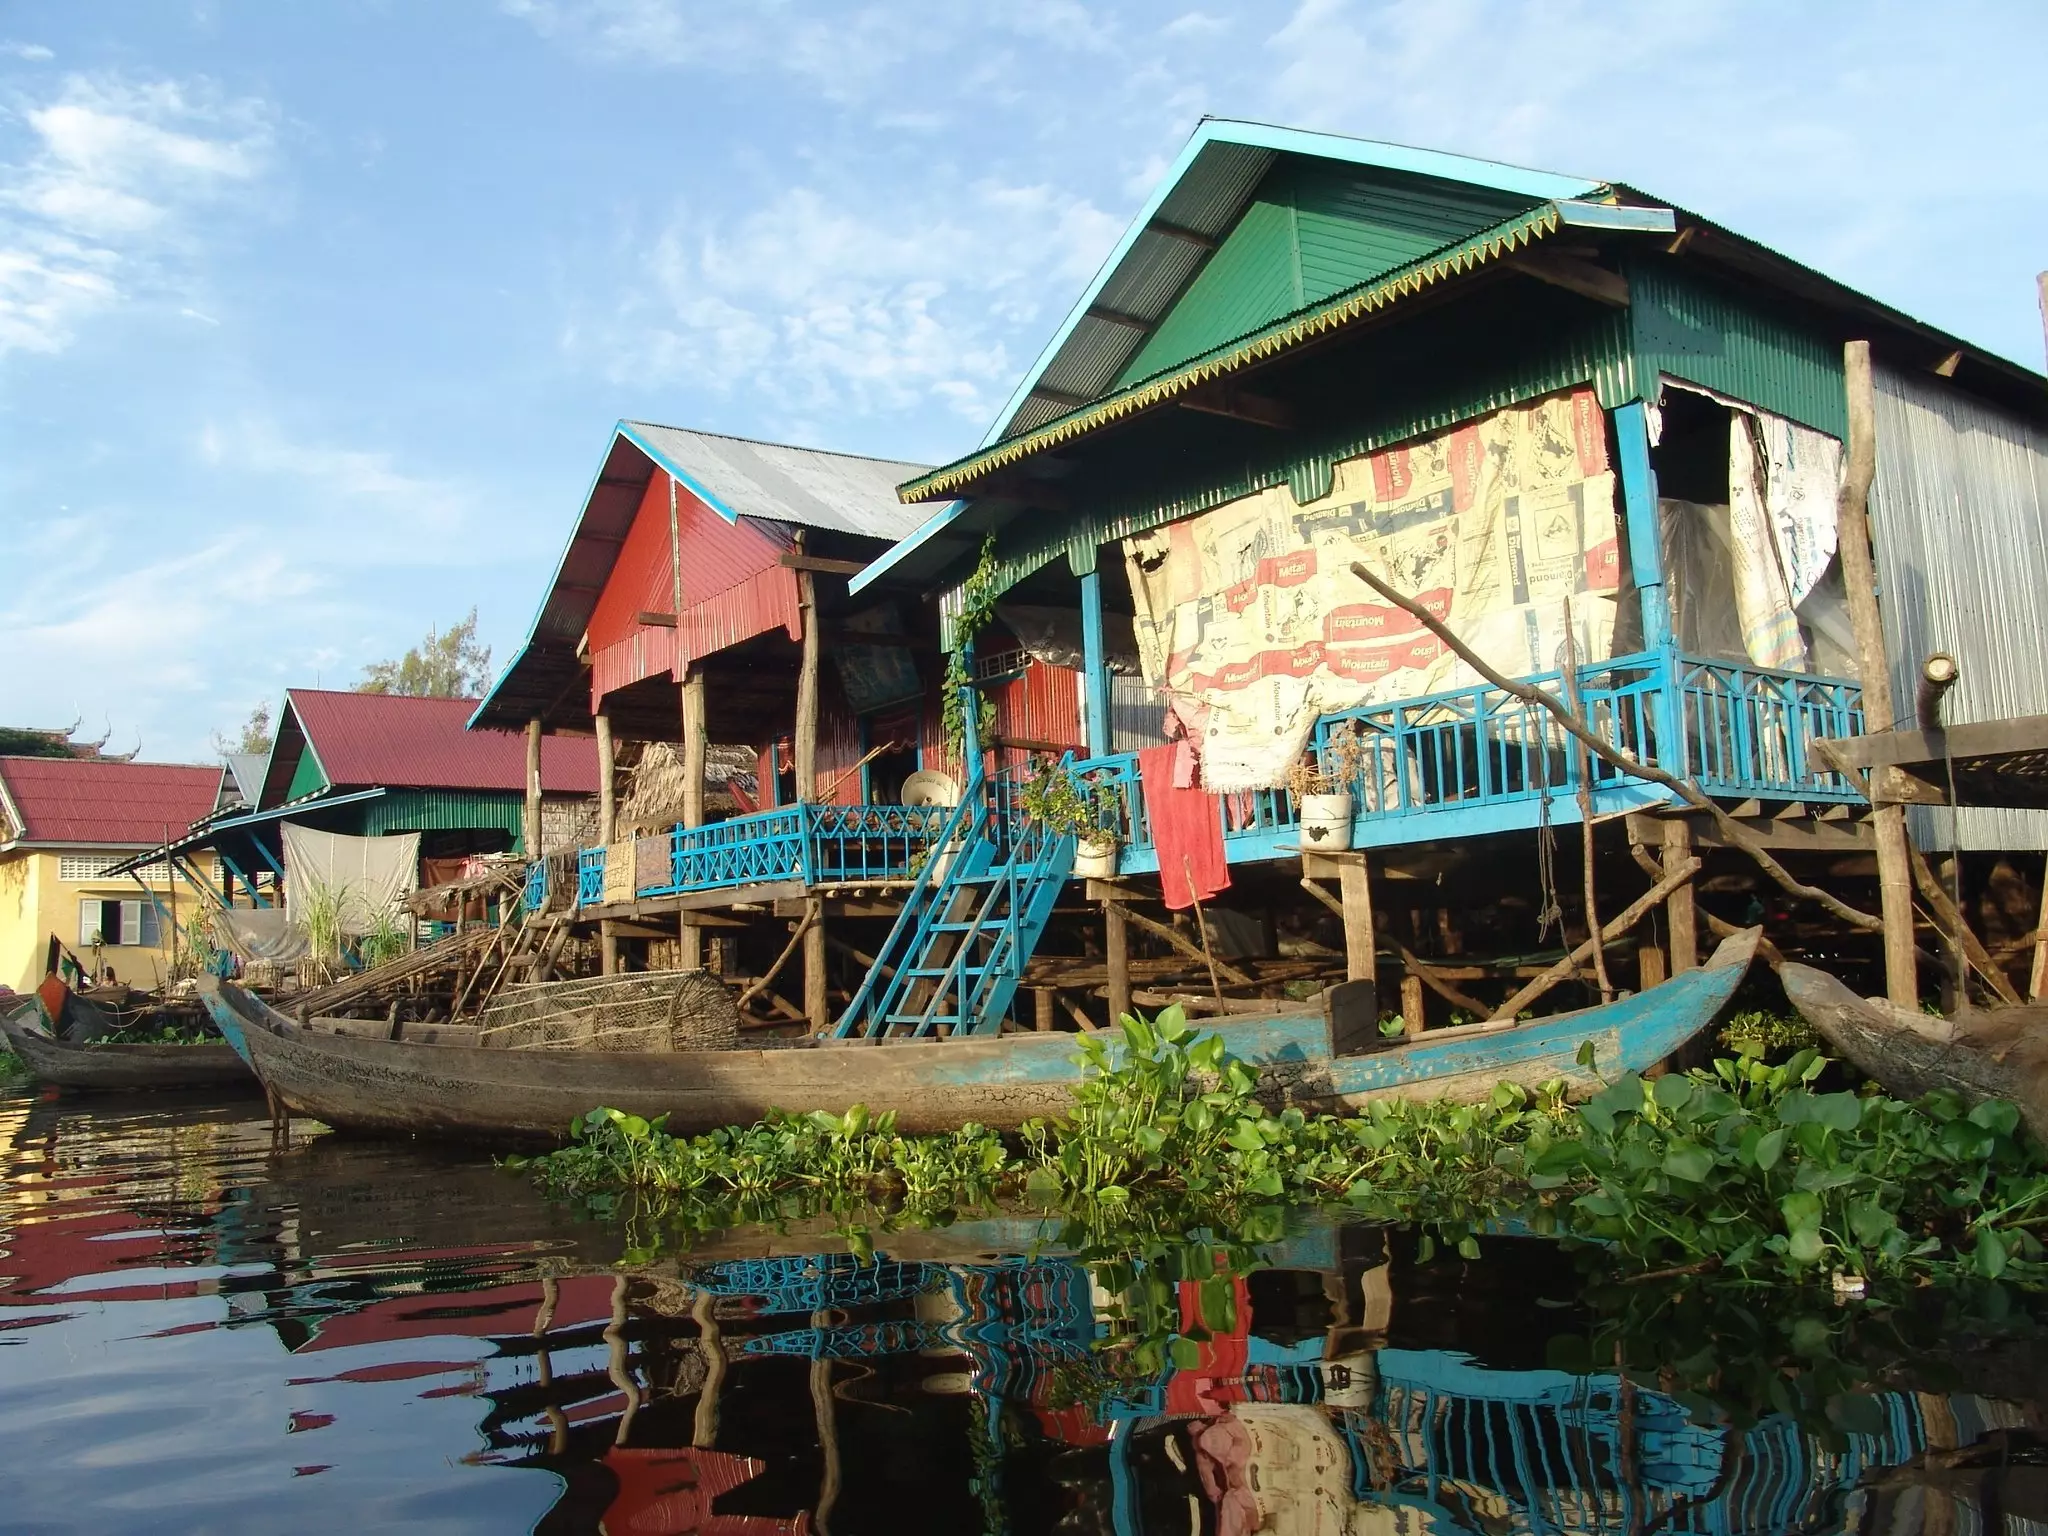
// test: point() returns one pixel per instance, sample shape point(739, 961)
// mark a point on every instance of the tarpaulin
point(1252, 624)
point(1187, 831)
point(267, 933)
point(368, 876)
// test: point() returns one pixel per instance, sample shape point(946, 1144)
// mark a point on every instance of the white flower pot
point(1325, 823)
point(1095, 858)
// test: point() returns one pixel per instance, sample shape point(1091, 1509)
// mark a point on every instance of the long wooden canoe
point(1998, 1054)
point(68, 1064)
point(506, 1095)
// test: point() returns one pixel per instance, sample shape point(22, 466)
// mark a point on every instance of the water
point(201, 1333)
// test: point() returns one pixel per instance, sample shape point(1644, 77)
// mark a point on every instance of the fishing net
point(641, 1011)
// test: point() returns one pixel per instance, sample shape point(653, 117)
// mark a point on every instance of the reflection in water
point(199, 1333)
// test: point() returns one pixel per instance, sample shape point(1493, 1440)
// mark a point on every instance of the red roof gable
point(389, 739)
point(105, 804)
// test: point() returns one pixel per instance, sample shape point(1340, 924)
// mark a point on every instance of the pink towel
point(1187, 829)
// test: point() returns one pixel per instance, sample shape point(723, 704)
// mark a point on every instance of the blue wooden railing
point(811, 844)
point(1496, 762)
point(1735, 730)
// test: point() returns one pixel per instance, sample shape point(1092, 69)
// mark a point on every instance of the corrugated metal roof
point(1957, 514)
point(737, 477)
point(101, 803)
point(399, 742)
point(804, 486)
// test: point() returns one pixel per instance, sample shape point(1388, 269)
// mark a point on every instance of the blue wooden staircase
point(953, 961)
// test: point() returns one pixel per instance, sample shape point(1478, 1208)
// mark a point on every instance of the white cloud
point(103, 204)
point(1195, 24)
point(34, 53)
point(834, 307)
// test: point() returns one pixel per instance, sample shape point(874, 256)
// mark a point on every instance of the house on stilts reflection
point(1596, 436)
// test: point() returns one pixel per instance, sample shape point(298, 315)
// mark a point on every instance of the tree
point(443, 666)
point(20, 741)
point(255, 738)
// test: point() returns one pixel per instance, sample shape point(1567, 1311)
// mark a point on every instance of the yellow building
point(64, 822)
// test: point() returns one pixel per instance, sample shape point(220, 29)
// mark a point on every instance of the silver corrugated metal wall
point(1959, 516)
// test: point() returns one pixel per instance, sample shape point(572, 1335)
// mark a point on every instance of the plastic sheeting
point(268, 933)
point(369, 876)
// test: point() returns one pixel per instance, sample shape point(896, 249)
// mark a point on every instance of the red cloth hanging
point(1187, 829)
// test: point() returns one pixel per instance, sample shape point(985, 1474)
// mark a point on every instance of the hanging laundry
point(1187, 830)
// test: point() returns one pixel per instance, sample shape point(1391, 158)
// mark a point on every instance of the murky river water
point(199, 1332)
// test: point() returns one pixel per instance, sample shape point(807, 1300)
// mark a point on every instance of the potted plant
point(1063, 801)
point(1321, 785)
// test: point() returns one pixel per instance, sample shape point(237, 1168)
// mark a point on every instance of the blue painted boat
point(502, 1095)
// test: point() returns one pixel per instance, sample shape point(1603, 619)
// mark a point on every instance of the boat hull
point(1995, 1055)
point(126, 1068)
point(502, 1095)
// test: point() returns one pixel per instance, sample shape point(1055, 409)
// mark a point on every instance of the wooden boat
point(511, 1095)
point(2001, 1053)
point(65, 1063)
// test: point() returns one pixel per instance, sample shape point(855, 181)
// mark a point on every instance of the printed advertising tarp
point(1251, 623)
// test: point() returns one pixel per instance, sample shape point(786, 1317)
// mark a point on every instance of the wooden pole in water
point(607, 833)
point(1582, 762)
point(1681, 909)
point(691, 939)
point(1361, 942)
point(1859, 576)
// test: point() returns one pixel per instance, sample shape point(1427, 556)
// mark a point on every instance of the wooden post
point(1042, 1002)
point(1681, 913)
point(2037, 973)
point(1094, 666)
point(530, 826)
point(817, 1006)
point(1117, 951)
point(690, 948)
point(607, 834)
point(1650, 968)
point(1412, 1013)
point(1361, 945)
point(1859, 576)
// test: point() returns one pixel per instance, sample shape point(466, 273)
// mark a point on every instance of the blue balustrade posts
point(1094, 665)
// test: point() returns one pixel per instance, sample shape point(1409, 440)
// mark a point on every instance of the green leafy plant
point(977, 609)
point(1068, 802)
point(388, 938)
point(1766, 1035)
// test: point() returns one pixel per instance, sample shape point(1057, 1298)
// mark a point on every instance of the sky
point(315, 318)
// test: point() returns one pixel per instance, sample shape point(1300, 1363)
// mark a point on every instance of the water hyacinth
point(1744, 1168)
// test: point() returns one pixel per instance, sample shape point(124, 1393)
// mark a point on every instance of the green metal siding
point(1251, 279)
point(1695, 329)
point(1313, 230)
point(1594, 351)
point(306, 777)
point(443, 810)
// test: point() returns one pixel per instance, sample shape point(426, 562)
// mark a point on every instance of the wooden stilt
point(1043, 1001)
point(1116, 946)
point(607, 834)
point(1681, 913)
point(1859, 577)
point(1413, 1013)
point(817, 1006)
point(530, 825)
point(1361, 945)
point(2037, 976)
point(1650, 966)
point(690, 946)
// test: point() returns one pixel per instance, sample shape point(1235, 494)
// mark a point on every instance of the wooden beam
point(819, 565)
point(655, 620)
point(1628, 918)
point(1574, 276)
point(1948, 365)
point(1240, 405)
point(1859, 574)
point(1118, 317)
point(1183, 234)
point(1180, 942)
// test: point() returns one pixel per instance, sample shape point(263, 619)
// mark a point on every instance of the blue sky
point(314, 317)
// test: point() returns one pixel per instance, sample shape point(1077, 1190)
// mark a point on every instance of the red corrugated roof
point(107, 804)
point(379, 738)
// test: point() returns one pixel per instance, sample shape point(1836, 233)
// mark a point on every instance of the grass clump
point(1743, 1169)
